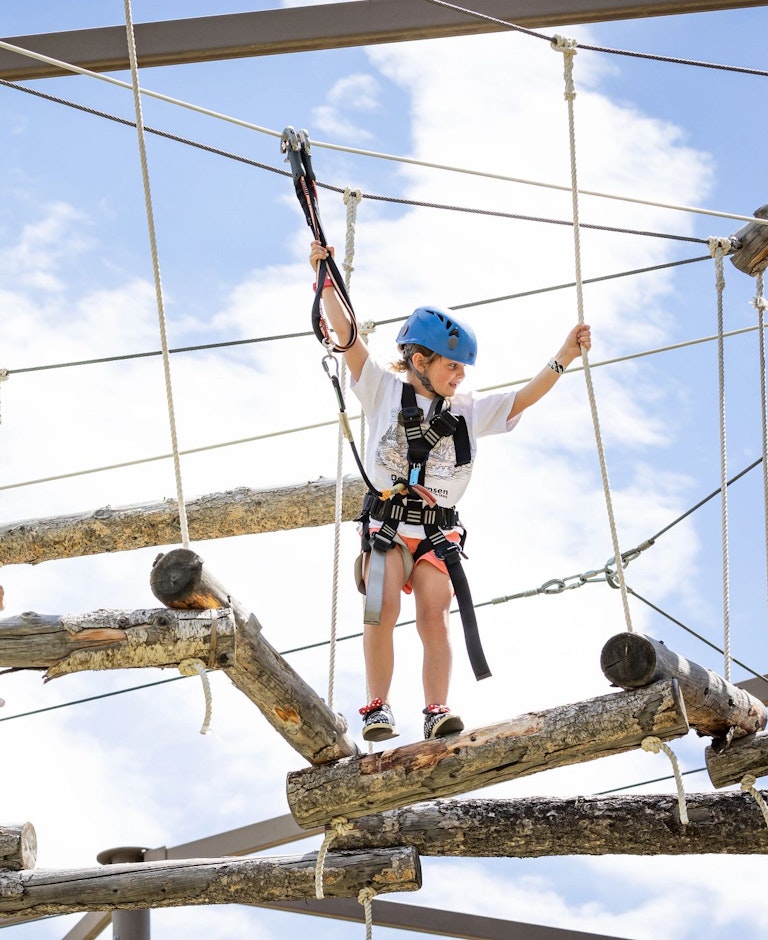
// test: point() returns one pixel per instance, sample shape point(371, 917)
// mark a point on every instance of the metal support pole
point(133, 924)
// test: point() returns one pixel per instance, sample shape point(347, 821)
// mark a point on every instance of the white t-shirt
point(379, 392)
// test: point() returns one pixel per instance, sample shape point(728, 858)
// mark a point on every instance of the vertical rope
point(352, 198)
point(365, 897)
point(338, 826)
point(760, 304)
point(155, 266)
point(719, 247)
point(3, 377)
point(568, 48)
point(748, 784)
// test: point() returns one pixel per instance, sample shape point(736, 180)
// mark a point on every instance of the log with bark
point(729, 763)
point(179, 580)
point(18, 847)
point(218, 515)
point(203, 881)
point(599, 727)
point(714, 706)
point(750, 243)
point(116, 639)
point(538, 827)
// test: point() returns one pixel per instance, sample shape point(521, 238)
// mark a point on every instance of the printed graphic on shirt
point(441, 463)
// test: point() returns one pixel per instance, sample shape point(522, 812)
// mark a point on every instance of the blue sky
point(77, 283)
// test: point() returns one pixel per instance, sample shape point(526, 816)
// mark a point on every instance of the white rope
point(339, 148)
point(568, 48)
point(748, 784)
point(352, 198)
point(654, 745)
point(365, 897)
point(760, 304)
point(719, 248)
point(195, 667)
point(338, 826)
point(155, 266)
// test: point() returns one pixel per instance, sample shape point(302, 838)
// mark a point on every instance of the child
point(423, 445)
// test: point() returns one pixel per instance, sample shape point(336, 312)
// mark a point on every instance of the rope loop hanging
point(748, 784)
point(568, 49)
point(654, 745)
point(195, 667)
point(338, 826)
point(719, 248)
point(133, 59)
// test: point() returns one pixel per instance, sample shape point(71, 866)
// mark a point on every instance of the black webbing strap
point(450, 553)
point(296, 146)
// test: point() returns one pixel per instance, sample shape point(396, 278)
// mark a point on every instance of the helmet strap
point(421, 376)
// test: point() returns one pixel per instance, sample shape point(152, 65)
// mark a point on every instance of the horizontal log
point(537, 741)
point(219, 515)
point(116, 639)
point(203, 881)
point(539, 827)
point(18, 847)
point(727, 765)
point(713, 705)
point(180, 580)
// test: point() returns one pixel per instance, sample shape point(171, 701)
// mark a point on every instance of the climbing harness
point(411, 502)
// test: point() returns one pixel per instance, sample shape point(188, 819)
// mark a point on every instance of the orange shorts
point(430, 557)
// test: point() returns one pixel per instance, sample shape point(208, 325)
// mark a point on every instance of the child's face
point(445, 375)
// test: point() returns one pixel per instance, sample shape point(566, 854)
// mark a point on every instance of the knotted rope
point(338, 826)
point(654, 745)
point(365, 897)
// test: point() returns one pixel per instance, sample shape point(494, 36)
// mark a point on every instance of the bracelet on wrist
point(555, 366)
point(326, 283)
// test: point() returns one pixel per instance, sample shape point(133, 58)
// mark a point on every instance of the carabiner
point(329, 355)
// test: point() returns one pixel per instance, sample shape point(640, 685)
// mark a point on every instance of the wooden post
point(294, 710)
point(116, 639)
point(18, 847)
point(539, 827)
point(729, 765)
point(531, 743)
point(219, 515)
point(714, 706)
point(205, 881)
point(750, 253)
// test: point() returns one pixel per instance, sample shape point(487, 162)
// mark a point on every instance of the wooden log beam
point(116, 639)
point(750, 253)
point(537, 741)
point(727, 765)
point(713, 705)
point(292, 707)
point(18, 847)
point(205, 881)
point(539, 827)
point(219, 515)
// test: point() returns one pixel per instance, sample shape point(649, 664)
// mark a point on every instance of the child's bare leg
point(433, 593)
point(378, 644)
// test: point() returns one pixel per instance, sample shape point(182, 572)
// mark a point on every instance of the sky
point(76, 284)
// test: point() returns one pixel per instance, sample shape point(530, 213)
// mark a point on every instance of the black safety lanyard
point(296, 146)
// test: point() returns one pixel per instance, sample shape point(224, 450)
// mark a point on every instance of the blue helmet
point(436, 330)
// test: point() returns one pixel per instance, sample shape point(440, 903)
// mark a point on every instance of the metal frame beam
point(324, 26)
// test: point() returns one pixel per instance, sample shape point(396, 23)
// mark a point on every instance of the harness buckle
point(444, 424)
point(410, 414)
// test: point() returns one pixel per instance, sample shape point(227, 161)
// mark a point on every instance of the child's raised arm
point(357, 353)
point(579, 337)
